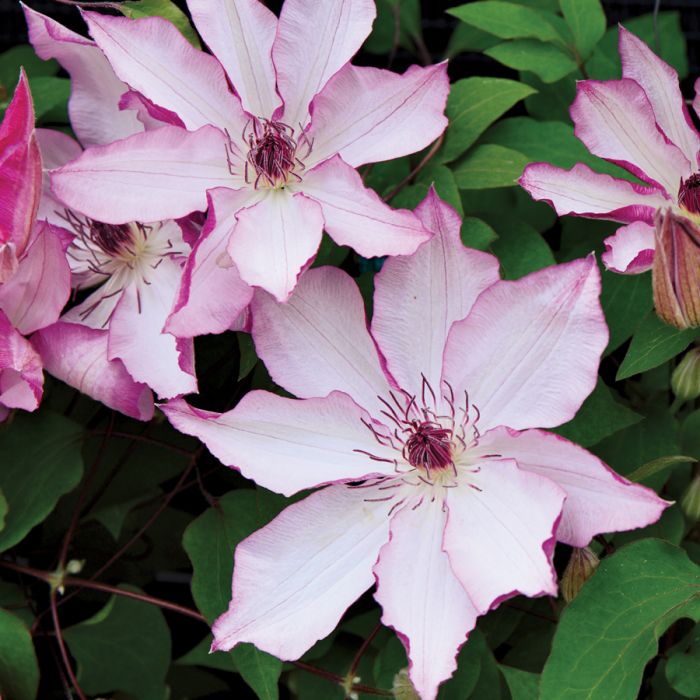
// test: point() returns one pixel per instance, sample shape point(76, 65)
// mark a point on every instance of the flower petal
point(597, 499)
point(615, 121)
point(418, 297)
point(240, 34)
point(135, 336)
point(500, 535)
point(660, 84)
point(212, 294)
point(314, 40)
point(368, 114)
point(36, 294)
point(583, 192)
point(288, 445)
point(95, 89)
point(356, 216)
point(162, 174)
point(21, 376)
point(421, 598)
point(151, 56)
point(294, 579)
point(528, 352)
point(275, 240)
point(20, 169)
point(77, 355)
point(318, 341)
point(631, 250)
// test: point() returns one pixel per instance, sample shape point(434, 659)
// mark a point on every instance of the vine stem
point(49, 577)
point(361, 651)
point(424, 161)
point(62, 647)
point(335, 678)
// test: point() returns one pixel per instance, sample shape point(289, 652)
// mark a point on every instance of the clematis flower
point(34, 274)
point(425, 434)
point(640, 123)
point(276, 159)
point(111, 345)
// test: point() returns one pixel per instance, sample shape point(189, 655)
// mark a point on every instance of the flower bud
point(676, 270)
point(685, 380)
point(690, 503)
point(582, 564)
point(403, 688)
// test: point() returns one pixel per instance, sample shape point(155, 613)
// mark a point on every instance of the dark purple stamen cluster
point(689, 194)
point(429, 446)
point(111, 238)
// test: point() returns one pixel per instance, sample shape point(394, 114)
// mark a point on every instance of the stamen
point(689, 193)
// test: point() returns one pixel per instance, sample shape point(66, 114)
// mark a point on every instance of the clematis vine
point(111, 345)
point(275, 160)
point(34, 274)
point(641, 123)
point(425, 434)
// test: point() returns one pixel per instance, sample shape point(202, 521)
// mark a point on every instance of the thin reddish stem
point(361, 651)
point(62, 648)
point(424, 161)
point(335, 678)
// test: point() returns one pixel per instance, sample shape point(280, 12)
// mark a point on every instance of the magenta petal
point(318, 341)
point(500, 535)
point(142, 178)
point(660, 83)
point(35, 296)
point(368, 114)
point(20, 170)
point(314, 40)
point(631, 250)
point(597, 499)
point(421, 597)
point(77, 355)
point(240, 35)
point(528, 352)
point(418, 297)
point(153, 58)
point(583, 192)
point(95, 89)
point(356, 216)
point(616, 122)
point(212, 294)
point(294, 579)
point(21, 376)
point(275, 240)
point(288, 445)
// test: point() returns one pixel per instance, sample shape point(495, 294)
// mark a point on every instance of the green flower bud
point(581, 566)
point(685, 380)
point(690, 503)
point(403, 688)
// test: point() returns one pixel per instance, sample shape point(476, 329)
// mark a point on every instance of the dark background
point(437, 27)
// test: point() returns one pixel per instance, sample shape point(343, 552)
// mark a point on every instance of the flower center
point(273, 156)
point(429, 446)
point(111, 239)
point(689, 194)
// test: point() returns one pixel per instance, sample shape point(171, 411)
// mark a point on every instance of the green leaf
point(690, 435)
point(599, 416)
point(125, 646)
point(390, 13)
point(625, 298)
point(199, 656)
point(19, 670)
point(489, 166)
point(50, 96)
point(476, 233)
point(683, 665)
point(507, 20)
point(552, 100)
point(41, 461)
point(162, 8)
point(24, 56)
point(547, 61)
point(249, 359)
point(469, 663)
point(586, 20)
point(466, 38)
point(210, 541)
point(611, 629)
point(523, 685)
point(657, 465)
point(441, 177)
point(520, 248)
point(3, 509)
point(654, 343)
point(473, 105)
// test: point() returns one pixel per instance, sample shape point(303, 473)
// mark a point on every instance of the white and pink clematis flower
point(641, 123)
point(439, 483)
point(110, 346)
point(34, 273)
point(276, 159)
